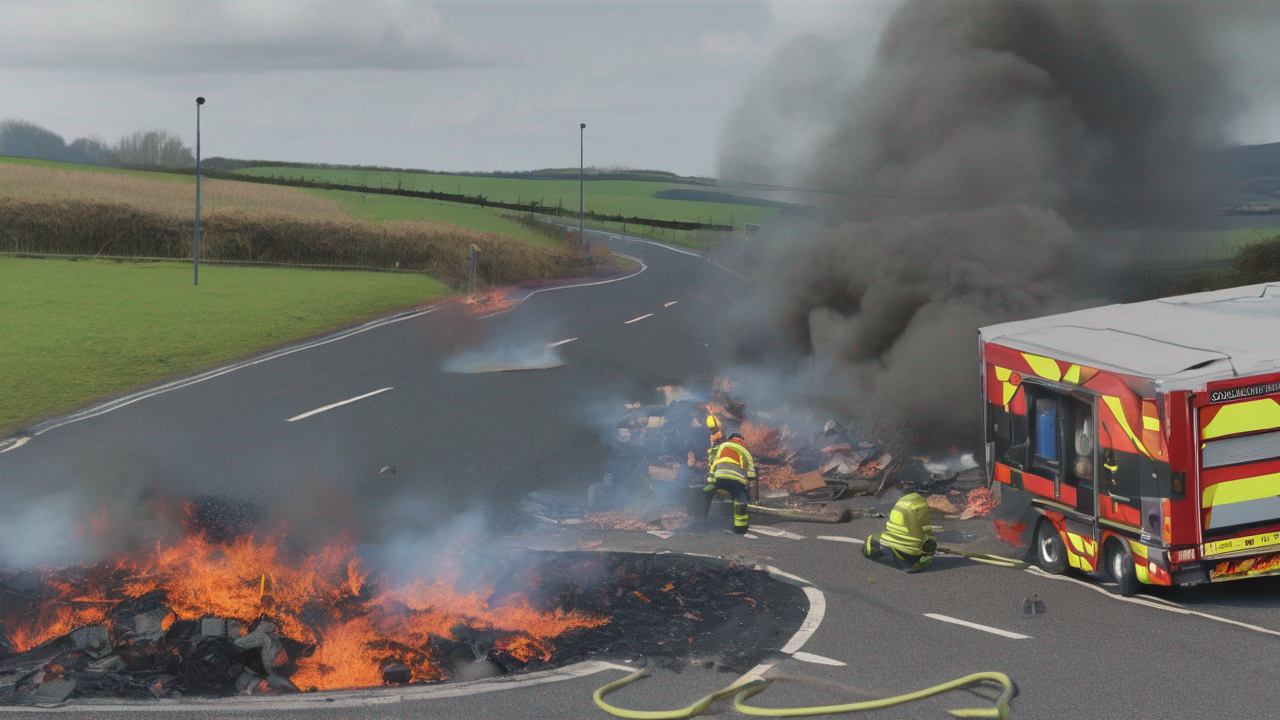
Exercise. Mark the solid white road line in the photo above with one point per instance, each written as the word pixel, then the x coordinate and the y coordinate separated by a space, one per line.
pixel 976 626
pixel 558 344
pixel 337 404
pixel 1173 608
pixel 774 532
pixel 817 610
pixel 333 699
pixel 637 319
pixel 673 302
pixel 817 659
pixel 15 444
pixel 837 538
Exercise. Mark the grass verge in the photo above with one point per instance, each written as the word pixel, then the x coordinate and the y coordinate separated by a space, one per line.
pixel 77 331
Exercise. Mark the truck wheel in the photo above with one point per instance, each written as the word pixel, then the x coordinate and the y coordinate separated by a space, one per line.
pixel 1050 553
pixel 1120 568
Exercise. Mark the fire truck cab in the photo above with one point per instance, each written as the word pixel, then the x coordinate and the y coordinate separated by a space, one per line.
pixel 1140 440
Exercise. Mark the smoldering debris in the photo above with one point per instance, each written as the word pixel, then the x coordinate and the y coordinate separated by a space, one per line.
pixel 1011 107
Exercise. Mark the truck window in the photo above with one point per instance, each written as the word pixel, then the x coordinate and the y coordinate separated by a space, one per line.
pixel 1015 455
pixel 1082 444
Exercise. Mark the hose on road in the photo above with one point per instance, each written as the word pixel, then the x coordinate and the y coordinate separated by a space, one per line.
pixel 799 516
pixel 744 692
pixel 996 560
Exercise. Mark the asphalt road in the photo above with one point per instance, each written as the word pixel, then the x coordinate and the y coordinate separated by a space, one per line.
pixel 468 440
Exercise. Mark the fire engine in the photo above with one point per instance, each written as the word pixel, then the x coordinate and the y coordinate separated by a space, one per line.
pixel 1140 441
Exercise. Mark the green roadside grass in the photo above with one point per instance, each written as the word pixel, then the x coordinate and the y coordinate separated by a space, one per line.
pixel 74 332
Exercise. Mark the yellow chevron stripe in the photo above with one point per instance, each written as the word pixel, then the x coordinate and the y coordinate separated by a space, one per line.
pixel 1043 366
pixel 1117 409
pixel 1243 490
pixel 1073 375
pixel 1151 423
pixel 1002 374
pixel 1242 417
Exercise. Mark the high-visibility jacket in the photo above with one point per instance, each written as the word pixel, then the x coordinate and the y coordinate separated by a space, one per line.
pixel 732 462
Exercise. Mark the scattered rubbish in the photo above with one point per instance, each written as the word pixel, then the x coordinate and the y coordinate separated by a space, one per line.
pixel 1033 606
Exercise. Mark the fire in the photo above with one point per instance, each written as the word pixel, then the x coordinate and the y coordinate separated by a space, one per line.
pixel 356 622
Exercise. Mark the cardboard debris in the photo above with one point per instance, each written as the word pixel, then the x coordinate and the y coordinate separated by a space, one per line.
pixel 656 422
pixel 942 505
pixel 810 481
pixel 668 474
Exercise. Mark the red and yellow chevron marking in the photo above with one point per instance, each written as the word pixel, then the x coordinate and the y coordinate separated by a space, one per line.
pixel 1140 561
pixel 1082 552
pixel 1116 406
pixel 1239 417
pixel 1005 388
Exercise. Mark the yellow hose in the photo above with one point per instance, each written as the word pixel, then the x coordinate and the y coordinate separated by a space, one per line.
pixel 988 559
pixel 744 692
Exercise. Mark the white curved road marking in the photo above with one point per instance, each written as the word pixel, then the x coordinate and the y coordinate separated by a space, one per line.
pixel 15 444
pixel 337 404
pixel 637 319
pixel 673 302
pixel 838 538
pixel 562 342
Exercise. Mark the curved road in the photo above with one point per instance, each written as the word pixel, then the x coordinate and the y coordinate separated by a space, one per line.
pixel 468 439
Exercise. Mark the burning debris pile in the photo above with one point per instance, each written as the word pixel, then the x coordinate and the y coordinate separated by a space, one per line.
pixel 250 616
pixel 803 462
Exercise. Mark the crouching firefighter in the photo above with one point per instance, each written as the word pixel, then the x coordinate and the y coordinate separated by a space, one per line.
pixel 732 470
pixel 908 535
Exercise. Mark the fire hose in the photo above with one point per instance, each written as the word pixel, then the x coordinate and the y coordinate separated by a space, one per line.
pixel 742 693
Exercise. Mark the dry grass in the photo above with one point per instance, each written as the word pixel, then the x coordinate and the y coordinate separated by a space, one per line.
pixel 56 211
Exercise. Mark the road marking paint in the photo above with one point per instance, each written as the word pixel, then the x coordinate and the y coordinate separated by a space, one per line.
pixel 15 444
pixel 562 342
pixel 817 659
pixel 1173 608
pixel 637 319
pixel 661 533
pixel 976 626
pixel 817 610
pixel 337 404
pixel 337 698
pixel 778 533
pixel 118 403
pixel 749 536
pixel 837 538
pixel 673 302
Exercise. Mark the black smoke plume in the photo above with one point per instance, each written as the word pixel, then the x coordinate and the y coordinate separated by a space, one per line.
pixel 953 161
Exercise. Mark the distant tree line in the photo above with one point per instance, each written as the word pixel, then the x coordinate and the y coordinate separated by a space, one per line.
pixel 160 148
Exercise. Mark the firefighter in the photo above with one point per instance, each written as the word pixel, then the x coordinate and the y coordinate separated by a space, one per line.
pixel 717 435
pixel 732 469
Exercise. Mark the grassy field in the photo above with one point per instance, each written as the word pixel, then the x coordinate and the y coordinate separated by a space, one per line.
pixel 64 210
pixel 391 207
pixel 75 331
pixel 631 198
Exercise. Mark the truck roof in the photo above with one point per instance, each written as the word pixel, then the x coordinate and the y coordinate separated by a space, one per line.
pixel 1184 341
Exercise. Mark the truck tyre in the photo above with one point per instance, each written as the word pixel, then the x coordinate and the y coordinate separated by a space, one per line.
pixel 1120 568
pixel 1050 552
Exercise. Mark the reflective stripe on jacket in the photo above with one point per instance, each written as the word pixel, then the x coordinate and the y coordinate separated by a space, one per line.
pixel 732 462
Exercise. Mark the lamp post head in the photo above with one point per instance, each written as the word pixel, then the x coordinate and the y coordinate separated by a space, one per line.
pixel 583 126
pixel 199 101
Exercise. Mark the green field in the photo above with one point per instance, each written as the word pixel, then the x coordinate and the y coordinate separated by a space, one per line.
pixel 626 197
pixel 98 169
pixel 76 331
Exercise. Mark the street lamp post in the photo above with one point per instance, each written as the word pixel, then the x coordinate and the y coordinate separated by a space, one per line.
pixel 195 253
pixel 582 235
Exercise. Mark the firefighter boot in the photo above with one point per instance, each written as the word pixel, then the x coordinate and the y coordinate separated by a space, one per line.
pixel 740 518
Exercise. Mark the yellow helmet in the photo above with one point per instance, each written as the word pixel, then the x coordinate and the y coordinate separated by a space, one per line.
pixel 713 423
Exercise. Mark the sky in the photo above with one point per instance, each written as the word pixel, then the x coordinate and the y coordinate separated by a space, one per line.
pixel 474 86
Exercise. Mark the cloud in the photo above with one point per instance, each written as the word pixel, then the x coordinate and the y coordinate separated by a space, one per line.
pixel 723 44
pixel 167 36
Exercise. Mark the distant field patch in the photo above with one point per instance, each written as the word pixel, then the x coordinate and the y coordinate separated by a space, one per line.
pixel 75 331
pixel 626 197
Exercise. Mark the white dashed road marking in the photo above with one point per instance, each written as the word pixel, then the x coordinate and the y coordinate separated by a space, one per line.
pixel 562 342
pixel 774 532
pixel 838 538
pixel 673 302
pixel 637 319
pixel 337 404
pixel 817 659
pixel 976 626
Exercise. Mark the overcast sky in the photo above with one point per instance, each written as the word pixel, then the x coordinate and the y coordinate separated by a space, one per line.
pixel 446 86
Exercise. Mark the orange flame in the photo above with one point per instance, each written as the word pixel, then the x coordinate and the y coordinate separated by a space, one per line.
pixel 324 599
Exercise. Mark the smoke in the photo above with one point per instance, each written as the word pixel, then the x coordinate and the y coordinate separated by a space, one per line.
pixel 992 103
